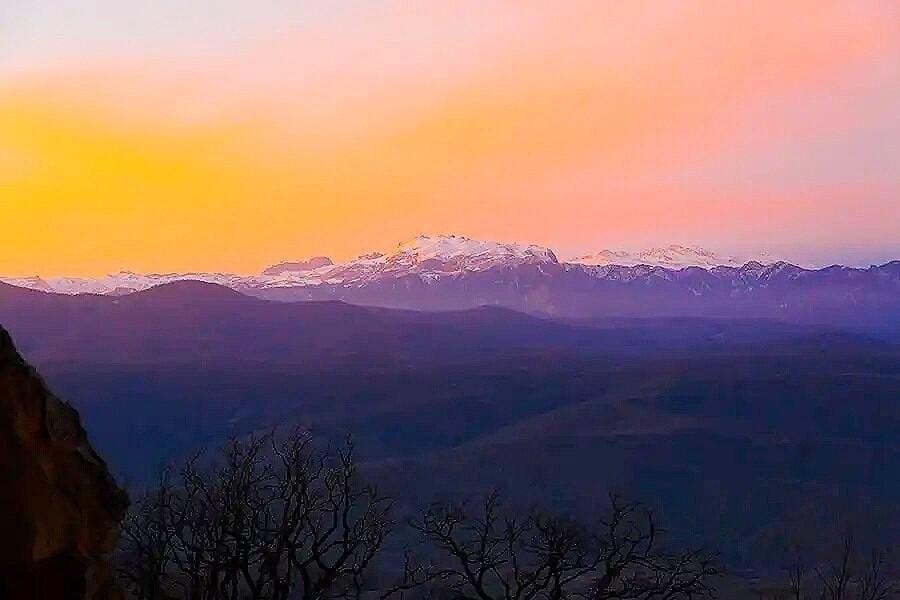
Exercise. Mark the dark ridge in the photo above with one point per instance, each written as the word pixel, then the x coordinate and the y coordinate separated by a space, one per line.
pixel 198 294
pixel 189 287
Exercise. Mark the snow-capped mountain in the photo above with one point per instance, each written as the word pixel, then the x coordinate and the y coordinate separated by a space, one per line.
pixel 447 272
pixel 427 257
pixel 117 284
pixel 452 272
pixel 670 257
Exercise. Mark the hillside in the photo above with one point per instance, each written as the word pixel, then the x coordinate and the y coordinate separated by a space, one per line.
pixel 694 415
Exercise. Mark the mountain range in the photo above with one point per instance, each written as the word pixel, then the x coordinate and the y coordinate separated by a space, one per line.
pixel 428 257
pixel 672 257
pixel 741 400
pixel 455 273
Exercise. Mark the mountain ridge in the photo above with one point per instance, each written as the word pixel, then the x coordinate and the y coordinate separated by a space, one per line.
pixel 454 273
pixel 464 400
pixel 429 257
pixel 671 256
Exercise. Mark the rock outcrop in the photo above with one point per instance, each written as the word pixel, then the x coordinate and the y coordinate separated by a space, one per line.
pixel 59 507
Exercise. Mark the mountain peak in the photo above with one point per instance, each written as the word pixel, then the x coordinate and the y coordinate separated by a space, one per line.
pixel 673 256
pixel 455 247
pixel 303 266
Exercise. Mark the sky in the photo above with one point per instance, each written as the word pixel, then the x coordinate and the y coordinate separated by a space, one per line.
pixel 164 135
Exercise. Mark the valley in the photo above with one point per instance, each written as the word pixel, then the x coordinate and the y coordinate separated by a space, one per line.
pixel 730 427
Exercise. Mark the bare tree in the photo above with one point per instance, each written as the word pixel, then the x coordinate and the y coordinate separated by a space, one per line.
pixel 276 520
pixel 492 556
pixel 144 560
pixel 843 573
pixel 413 580
pixel 836 575
pixel 876 582
pixel 634 565
pixel 855 575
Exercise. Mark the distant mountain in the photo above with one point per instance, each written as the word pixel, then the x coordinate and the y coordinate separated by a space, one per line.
pixel 532 280
pixel 302 266
pixel 191 320
pixel 426 257
pixel 453 273
pixel 119 284
pixel 672 257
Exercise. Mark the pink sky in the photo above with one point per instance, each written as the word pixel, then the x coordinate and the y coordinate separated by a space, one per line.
pixel 141 134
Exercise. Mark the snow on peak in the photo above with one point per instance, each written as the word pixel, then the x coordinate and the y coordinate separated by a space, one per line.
pixel 428 257
pixel 123 282
pixel 311 264
pixel 673 256
pixel 469 253
pixel 33 283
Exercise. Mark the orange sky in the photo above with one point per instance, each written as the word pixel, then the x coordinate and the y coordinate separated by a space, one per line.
pixel 579 125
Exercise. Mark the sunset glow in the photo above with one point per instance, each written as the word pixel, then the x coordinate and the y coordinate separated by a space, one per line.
pixel 746 127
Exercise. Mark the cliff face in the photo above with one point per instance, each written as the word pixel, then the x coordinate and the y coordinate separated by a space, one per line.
pixel 59 506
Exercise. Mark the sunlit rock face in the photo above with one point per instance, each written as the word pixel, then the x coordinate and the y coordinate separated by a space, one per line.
pixel 59 507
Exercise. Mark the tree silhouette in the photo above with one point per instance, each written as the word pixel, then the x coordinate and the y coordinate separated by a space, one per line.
pixel 276 520
pixel 493 556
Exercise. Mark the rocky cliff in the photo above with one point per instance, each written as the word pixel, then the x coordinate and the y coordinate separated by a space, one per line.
pixel 59 506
